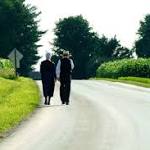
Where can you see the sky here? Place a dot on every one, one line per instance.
(109, 17)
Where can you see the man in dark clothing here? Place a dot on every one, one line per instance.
(63, 71)
(48, 76)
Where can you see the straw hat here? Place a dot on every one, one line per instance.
(66, 53)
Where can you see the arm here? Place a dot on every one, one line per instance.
(54, 71)
(58, 69)
(72, 64)
(40, 68)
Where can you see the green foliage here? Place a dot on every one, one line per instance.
(122, 53)
(18, 98)
(19, 29)
(5, 63)
(75, 35)
(87, 48)
(6, 69)
(106, 47)
(106, 50)
(125, 68)
(143, 44)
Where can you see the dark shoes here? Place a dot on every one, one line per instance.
(67, 103)
(47, 100)
(63, 103)
(47, 103)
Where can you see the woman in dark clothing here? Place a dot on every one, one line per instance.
(48, 76)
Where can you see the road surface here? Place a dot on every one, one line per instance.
(102, 116)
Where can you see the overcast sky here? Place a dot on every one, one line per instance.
(108, 17)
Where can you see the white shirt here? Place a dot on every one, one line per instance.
(59, 65)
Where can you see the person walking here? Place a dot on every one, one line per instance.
(63, 73)
(48, 76)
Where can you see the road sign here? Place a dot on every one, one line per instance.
(15, 56)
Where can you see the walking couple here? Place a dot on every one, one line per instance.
(62, 73)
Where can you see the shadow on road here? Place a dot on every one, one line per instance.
(45, 106)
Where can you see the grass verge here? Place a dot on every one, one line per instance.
(18, 98)
(144, 82)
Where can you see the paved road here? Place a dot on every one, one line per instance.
(102, 116)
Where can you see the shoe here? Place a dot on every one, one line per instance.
(67, 103)
(48, 103)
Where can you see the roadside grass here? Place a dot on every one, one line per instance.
(18, 98)
(143, 82)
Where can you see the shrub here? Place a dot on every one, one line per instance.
(6, 69)
(126, 67)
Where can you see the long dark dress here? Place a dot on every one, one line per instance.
(48, 76)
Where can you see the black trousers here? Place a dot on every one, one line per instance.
(65, 84)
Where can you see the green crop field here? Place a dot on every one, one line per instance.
(124, 68)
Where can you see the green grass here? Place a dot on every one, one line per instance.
(18, 98)
(144, 82)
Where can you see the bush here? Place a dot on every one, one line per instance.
(126, 67)
(6, 69)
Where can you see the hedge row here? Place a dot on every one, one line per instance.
(6, 69)
(126, 67)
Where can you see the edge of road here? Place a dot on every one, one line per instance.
(124, 85)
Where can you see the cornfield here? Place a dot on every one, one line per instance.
(126, 67)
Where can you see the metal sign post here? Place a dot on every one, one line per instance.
(15, 56)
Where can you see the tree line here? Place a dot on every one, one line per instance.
(19, 29)
(89, 49)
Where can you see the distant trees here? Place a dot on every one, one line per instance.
(142, 45)
(19, 29)
(122, 52)
(75, 35)
(102, 52)
(87, 48)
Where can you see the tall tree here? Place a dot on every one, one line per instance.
(104, 49)
(122, 52)
(75, 35)
(88, 49)
(19, 29)
(143, 44)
